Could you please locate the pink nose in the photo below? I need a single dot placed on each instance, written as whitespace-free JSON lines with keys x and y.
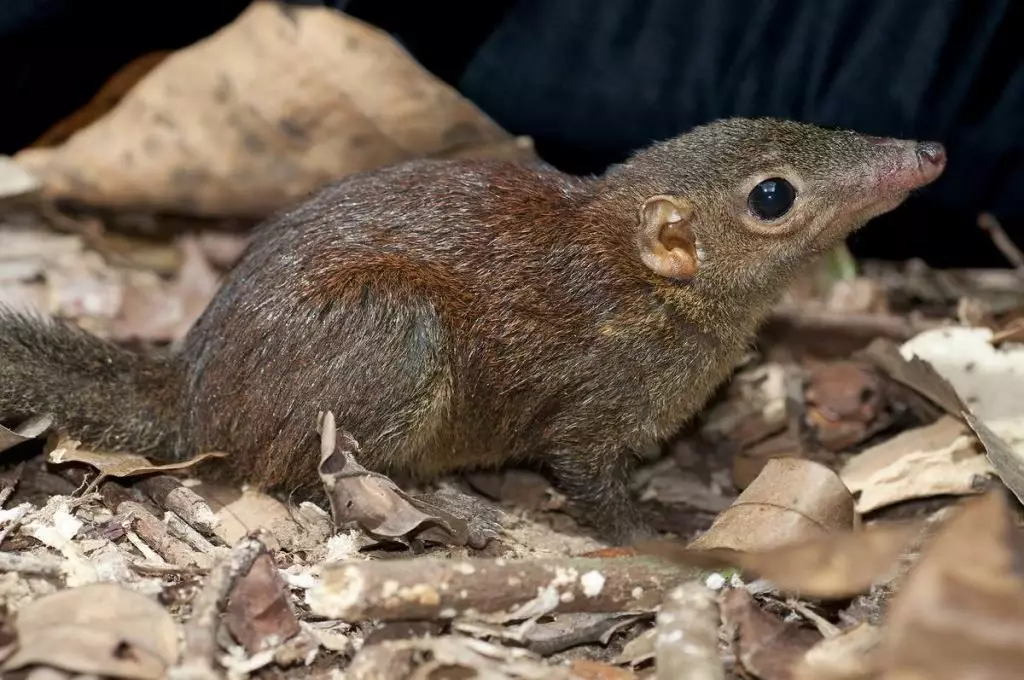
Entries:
{"x":931,"y":159}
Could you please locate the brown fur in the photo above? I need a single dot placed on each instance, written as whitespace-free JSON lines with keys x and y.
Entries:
{"x":458,"y":314}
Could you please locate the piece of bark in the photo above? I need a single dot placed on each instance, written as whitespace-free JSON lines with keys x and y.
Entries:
{"x":686,"y":647}
{"x":200,"y":638}
{"x":498,"y":589}
{"x":259,"y":613}
{"x":30,"y":564}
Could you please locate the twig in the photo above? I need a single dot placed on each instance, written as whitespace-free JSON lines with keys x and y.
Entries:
{"x":990,"y":225}
{"x":183,"y":530}
{"x":170,"y":494}
{"x":498,"y":589}
{"x":13,"y":523}
{"x":200,"y":647}
{"x":687,"y":641}
{"x":29,"y":564}
{"x":870,"y":326}
{"x":134,"y":515}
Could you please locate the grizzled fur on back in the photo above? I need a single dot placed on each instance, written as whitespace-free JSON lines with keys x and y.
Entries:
{"x":445,"y":330}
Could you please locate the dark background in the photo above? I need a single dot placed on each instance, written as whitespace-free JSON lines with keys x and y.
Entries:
{"x":591,"y":80}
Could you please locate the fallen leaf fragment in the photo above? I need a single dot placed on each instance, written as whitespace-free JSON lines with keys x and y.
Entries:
{"x":791,"y":499}
{"x":834,"y":565}
{"x":118,"y":464}
{"x":259,"y":612}
{"x":766,"y":647}
{"x":240,"y":512}
{"x":937,"y":459}
{"x":156,"y":310}
{"x":373,"y":501}
{"x":262,"y":112}
{"x":26,"y":431}
{"x":16,"y":180}
{"x":100,"y":629}
{"x":960,"y":613}
{"x":985,"y":376}
{"x":851,"y":655}
{"x":450,"y":656}
{"x":585,"y":669}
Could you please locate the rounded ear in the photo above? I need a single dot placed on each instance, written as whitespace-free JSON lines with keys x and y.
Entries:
{"x":667,"y":243}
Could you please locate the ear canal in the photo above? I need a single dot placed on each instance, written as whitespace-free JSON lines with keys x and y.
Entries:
{"x":668,"y":245}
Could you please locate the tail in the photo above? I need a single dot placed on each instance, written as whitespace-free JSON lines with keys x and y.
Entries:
{"x":104,"y":396}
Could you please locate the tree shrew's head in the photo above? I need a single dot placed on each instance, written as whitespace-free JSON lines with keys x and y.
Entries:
{"x":742,"y":203}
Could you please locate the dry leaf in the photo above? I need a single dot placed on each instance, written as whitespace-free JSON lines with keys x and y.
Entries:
{"x":937,"y":459}
{"x":585,"y":669}
{"x":766,"y":647}
{"x":792,"y":499}
{"x":242,"y":511}
{"x":15,"y":179}
{"x":157,"y":310}
{"x":984,"y":375}
{"x":915,"y":373}
{"x":960,"y":613}
{"x":26,"y":431}
{"x":259,"y":612}
{"x":118,"y":464}
{"x":262,"y":112}
{"x":100,"y":629}
{"x":373,"y":501}
{"x":838,"y":565}
{"x":851,"y":655}
{"x":449,"y":656}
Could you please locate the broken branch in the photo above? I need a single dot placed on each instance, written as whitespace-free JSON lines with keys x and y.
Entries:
{"x":501,"y":589}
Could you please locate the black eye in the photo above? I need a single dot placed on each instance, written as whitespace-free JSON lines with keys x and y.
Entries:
{"x":771,"y":198}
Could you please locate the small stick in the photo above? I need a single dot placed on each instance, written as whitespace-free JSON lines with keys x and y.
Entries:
{"x":169,"y":493}
{"x":495,"y":589}
{"x":183,"y":530}
{"x":134,"y":515}
{"x":29,"y":564}
{"x":13,"y":523}
{"x":1002,"y":241}
{"x":686,"y":646}
{"x":200,"y":647}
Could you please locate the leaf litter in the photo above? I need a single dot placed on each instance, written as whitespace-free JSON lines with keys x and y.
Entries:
{"x":845,"y":508}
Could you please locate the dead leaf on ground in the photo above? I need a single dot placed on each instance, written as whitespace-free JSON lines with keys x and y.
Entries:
{"x":851,"y":655}
{"x":26,"y":431}
{"x":262,"y":112}
{"x":915,"y":373}
{"x":937,"y":459}
{"x":766,"y":647}
{"x":259,"y":612}
{"x":792,"y":499}
{"x":964,"y":362}
{"x":158,"y":310}
{"x":101,"y":629}
{"x":964,"y":597}
{"x":838,"y":565}
{"x":585,"y":669}
{"x":449,"y":657}
{"x":15,"y":179}
{"x":118,"y":464}
{"x":242,"y":511}
{"x":373,"y":501}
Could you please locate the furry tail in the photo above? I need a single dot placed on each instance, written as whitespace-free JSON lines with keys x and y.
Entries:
{"x":96,"y":392}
